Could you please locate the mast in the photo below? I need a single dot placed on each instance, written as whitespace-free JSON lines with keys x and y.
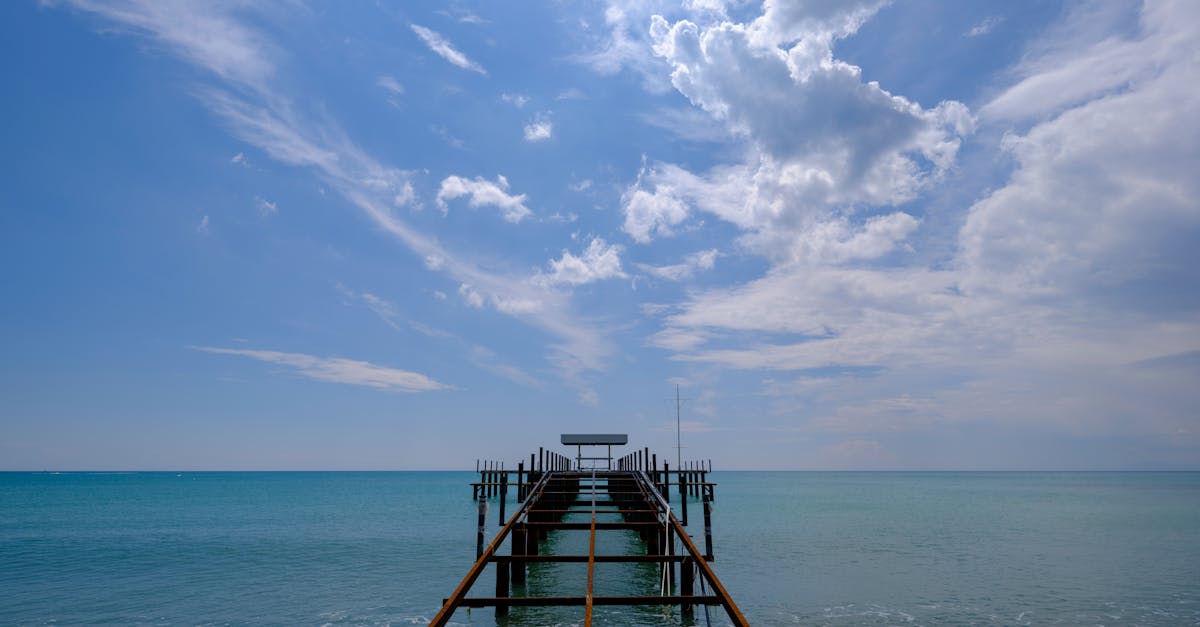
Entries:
{"x":678,"y":432}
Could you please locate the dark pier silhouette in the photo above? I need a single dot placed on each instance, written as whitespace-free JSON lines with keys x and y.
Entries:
{"x":631,"y":494}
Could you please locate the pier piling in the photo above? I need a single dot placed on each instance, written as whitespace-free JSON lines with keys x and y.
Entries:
{"x":630,"y":494}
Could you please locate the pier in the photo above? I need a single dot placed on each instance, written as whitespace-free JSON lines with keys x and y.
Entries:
{"x":597,"y":495}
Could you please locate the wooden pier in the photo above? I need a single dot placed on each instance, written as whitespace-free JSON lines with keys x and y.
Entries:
{"x":631,"y":494}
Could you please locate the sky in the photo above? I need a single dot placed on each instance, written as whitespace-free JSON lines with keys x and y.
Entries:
{"x":853,"y":234}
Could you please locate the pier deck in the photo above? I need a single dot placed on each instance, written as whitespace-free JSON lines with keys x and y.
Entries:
{"x":630,"y":495}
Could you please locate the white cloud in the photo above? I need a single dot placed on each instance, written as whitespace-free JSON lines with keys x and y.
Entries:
{"x":238,"y":159}
{"x":599,"y":261}
{"x":488,"y":360}
{"x":571,"y":93}
{"x":821,"y":136}
{"x":202,"y":228}
{"x":1102,"y":205}
{"x":984,"y":27}
{"x":263,"y":115}
{"x":446,"y":50}
{"x":390,"y":85}
{"x":581,"y":186}
{"x":339,"y":370}
{"x":517,"y":100}
{"x":650,"y":214}
{"x":446,"y":136}
{"x":1065,"y":279}
{"x":463,"y":16}
{"x":624,"y":43}
{"x":483,"y":193}
{"x":265,"y":207}
{"x":470,"y":295}
{"x":203,"y":34}
{"x":703,"y":260}
{"x":687,"y":123}
{"x":822,"y":144}
{"x":540,"y":129}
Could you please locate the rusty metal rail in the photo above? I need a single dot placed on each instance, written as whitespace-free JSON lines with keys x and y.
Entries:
{"x":632,"y":491}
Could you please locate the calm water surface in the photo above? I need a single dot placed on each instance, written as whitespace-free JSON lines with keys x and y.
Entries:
{"x":793,"y":548}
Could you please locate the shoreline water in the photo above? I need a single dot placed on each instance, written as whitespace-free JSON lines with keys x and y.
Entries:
{"x":374,"y":547}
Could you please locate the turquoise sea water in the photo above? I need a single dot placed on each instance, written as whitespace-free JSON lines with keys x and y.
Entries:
{"x":809,"y":548}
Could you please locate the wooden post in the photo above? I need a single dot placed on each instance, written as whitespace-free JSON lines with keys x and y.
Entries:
{"x":483,"y":506}
{"x":518,"y":548}
{"x":501,"y":587}
{"x":541,"y":459}
{"x":503,"y":496}
{"x":521,"y":482}
{"x":708,"y":551}
{"x":683,"y":499}
{"x":670,"y":538}
{"x":687,"y":585}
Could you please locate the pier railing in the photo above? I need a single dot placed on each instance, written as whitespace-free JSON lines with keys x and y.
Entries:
{"x":636,"y":490}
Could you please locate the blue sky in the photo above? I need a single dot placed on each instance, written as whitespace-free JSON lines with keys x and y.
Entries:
{"x":857,"y":235}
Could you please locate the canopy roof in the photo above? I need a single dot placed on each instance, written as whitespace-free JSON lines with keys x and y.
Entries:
{"x":594,"y":438}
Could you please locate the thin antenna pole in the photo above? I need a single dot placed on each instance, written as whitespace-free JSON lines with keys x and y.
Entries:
{"x":678,"y":433}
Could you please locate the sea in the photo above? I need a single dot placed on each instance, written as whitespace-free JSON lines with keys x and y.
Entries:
{"x":813,"y":548}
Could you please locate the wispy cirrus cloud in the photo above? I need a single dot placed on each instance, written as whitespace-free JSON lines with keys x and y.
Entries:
{"x":693,"y":263}
{"x":256,"y":110}
{"x":390,"y":85}
{"x":481,"y":356}
{"x":446,"y":50}
{"x":338,"y":370}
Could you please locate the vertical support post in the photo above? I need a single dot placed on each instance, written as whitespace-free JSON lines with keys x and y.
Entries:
{"x":687,"y":585}
{"x":541,"y":459}
{"x":708,"y":551}
{"x":670,"y":537}
{"x":532,"y":536}
{"x":503,"y":496}
{"x":483,"y":506}
{"x":501,"y":587}
{"x":683,"y":499}
{"x":518,"y":548}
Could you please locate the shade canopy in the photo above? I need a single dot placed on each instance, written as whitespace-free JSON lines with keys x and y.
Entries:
{"x":595,"y":439}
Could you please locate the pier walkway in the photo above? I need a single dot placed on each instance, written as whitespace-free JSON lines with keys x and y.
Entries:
{"x":631,"y":495}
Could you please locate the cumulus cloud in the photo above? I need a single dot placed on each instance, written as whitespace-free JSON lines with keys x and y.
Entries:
{"x":484,"y":193}
{"x":339,"y":370}
{"x":650,"y":214}
{"x":625,"y":45}
{"x":821,"y":140}
{"x":540,"y":129}
{"x":446,"y":50}
{"x":1066,"y":277}
{"x":598,"y":262}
